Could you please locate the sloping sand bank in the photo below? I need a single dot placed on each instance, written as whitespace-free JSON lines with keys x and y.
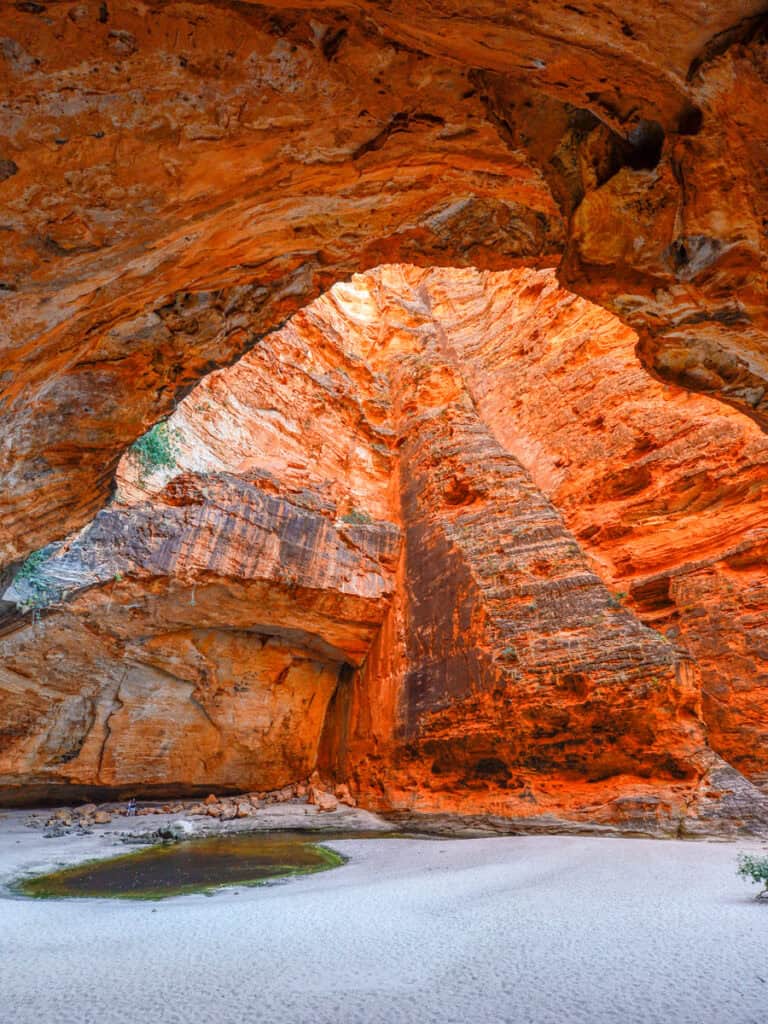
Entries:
{"x":551,"y":930}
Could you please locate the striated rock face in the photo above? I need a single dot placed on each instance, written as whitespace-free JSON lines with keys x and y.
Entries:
{"x":413,"y":539}
{"x":665,"y":491}
{"x":212,"y":614}
{"x":180,"y":178}
{"x":520,"y":673}
{"x":176,"y":179}
{"x":520,"y":686}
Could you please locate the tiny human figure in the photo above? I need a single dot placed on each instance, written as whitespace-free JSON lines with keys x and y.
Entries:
{"x":131,"y":809}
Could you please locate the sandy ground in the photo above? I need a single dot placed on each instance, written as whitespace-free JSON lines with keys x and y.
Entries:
{"x":551,"y":930}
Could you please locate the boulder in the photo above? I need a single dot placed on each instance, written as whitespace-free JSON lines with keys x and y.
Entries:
{"x":344,"y":796}
{"x":323,"y":800}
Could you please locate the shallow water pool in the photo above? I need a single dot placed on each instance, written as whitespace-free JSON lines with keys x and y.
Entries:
{"x":196,"y":865}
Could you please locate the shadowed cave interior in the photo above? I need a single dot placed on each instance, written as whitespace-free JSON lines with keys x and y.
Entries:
{"x":440,"y":538}
{"x":452,"y":330}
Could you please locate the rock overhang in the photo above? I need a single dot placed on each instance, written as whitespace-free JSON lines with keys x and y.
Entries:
{"x":607,"y":145}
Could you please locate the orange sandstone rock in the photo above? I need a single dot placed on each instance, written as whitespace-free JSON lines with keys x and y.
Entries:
{"x":253,"y":613}
{"x":217,"y":604}
{"x":177,"y":180}
{"x":665,"y":490}
{"x":518,"y":672}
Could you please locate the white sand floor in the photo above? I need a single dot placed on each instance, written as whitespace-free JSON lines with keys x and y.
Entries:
{"x":547,"y":930}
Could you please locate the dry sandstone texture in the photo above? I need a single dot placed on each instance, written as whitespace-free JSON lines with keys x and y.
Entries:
{"x":478,"y":542}
{"x":369,"y":557}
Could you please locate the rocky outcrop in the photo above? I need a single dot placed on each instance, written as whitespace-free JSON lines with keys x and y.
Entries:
{"x":520,"y":672}
{"x":162,"y":715}
{"x":205,"y":617}
{"x":520,"y":686}
{"x":664,"y":490}
{"x":176,"y":179}
{"x":179,"y":179}
{"x":374,"y":551}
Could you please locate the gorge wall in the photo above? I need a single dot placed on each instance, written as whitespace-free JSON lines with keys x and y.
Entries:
{"x":177,"y":178}
{"x":462,"y":538}
{"x":375,"y":552}
{"x":213,"y":612}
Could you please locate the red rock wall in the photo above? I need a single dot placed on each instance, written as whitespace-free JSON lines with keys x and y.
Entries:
{"x":212,"y":608}
{"x":180,"y":178}
{"x":666,"y":491}
{"x":520,"y":687}
{"x":492,"y":419}
{"x":176,"y":179}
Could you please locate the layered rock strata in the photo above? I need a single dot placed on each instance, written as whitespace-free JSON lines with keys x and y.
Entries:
{"x":210,"y":612}
{"x":509,"y":680}
{"x":664,"y":490}
{"x":356,"y":563}
{"x":520,"y":674}
{"x":178,"y":178}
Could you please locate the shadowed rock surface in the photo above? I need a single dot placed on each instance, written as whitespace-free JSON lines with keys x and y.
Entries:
{"x":354,"y":562}
{"x":176,"y":179}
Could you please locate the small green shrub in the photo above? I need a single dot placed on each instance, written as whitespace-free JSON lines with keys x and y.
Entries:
{"x":41,"y":592}
{"x":155,"y":450}
{"x":755,"y":869}
{"x":30,"y":568}
{"x":357,"y":517}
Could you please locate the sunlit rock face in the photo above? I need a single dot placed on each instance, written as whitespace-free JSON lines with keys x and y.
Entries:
{"x":664,"y":490}
{"x":177,"y":179}
{"x":552,"y":386}
{"x":413,"y":539}
{"x":214,"y":606}
{"x":519,"y":669}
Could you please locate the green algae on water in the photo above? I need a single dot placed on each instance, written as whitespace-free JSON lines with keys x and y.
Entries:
{"x":195,"y":865}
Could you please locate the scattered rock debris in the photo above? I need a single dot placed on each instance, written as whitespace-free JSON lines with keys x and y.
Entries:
{"x":80,"y":820}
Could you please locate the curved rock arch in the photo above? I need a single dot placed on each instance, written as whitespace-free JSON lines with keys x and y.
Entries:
{"x":179,"y":178}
